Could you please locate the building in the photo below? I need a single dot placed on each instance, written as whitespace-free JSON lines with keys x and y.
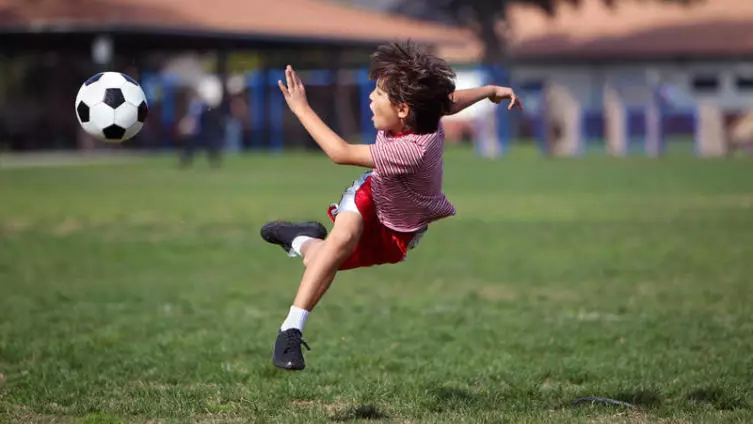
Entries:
{"x":684,"y":54}
{"x":50,"y":47}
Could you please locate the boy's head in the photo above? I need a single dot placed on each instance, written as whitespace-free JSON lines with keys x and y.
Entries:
{"x":413,"y":88}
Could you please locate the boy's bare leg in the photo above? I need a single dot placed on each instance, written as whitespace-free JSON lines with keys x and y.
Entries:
{"x":325,"y":257}
{"x":322,"y":259}
{"x":310,"y":249}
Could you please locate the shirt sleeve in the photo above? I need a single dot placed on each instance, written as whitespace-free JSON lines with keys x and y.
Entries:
{"x":396,"y":157}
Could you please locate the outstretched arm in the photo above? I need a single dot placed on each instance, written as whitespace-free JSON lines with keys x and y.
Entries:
{"x":462,"y":99}
{"x":339,"y":150}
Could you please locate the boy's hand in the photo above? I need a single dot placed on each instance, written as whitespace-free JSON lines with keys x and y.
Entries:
{"x":295,"y":92}
{"x":501,"y":93}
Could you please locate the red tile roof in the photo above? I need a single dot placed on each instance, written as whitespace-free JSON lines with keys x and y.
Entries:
{"x":635,"y":29}
{"x":288,"y":18}
{"x":632,"y":30}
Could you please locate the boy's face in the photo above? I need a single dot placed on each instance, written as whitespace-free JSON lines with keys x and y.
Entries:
{"x":387,"y":116}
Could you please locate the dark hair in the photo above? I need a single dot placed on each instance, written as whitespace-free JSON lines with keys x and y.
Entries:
{"x":422,"y":81}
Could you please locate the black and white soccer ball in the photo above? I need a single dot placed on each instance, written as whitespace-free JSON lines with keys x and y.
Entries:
{"x":111,"y":106}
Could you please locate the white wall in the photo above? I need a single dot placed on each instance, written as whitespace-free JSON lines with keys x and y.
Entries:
{"x":586,"y":82}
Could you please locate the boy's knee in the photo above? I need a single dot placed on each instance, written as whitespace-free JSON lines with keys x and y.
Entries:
{"x":307,"y":260}
{"x":345,"y":234}
{"x":343,"y":242}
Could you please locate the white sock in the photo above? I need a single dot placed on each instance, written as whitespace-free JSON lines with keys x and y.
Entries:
{"x":296,"y":319}
{"x":298,"y":243}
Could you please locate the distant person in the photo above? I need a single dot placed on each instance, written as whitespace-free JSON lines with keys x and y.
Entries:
{"x":387,"y":210}
{"x":204,"y":124}
{"x":741,"y":134}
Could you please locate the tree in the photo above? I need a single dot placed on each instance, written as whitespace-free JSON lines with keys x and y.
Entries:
{"x":482,"y":17}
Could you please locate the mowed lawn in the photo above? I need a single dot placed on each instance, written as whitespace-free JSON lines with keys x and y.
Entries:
{"x":142,"y":293}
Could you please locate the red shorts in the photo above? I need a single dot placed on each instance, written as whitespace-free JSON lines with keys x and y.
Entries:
{"x":378,"y":244}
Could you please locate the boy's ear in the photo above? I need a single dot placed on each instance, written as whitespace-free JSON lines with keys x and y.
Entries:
{"x":403,"y":110}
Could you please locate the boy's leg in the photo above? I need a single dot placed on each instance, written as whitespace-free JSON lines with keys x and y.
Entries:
{"x":324,"y":258}
{"x":329,"y":254}
{"x":189,"y":149}
{"x":309,"y":250}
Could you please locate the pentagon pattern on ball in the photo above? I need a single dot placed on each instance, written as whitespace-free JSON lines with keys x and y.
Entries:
{"x":132,"y":93}
{"x":114,"y":97}
{"x":129,"y":79}
{"x":93,"y":79}
{"x":83,"y":112}
{"x":114,"y":132}
{"x":111,"y":106}
{"x":143,"y":112}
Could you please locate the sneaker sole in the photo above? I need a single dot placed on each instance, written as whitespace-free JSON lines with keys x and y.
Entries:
{"x":267,"y":231}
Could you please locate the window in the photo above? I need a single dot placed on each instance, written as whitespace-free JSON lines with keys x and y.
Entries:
{"x":744,"y":82}
{"x":705,"y":83}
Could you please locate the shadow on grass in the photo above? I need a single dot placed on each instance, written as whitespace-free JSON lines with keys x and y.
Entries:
{"x":451,"y":398}
{"x":439,"y":399}
{"x":643,"y":398}
{"x":721,"y":399}
{"x":646,"y":398}
{"x":360,"y":412}
{"x":446,"y":398}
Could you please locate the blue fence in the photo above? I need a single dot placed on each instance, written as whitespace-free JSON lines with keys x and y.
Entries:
{"x":267,"y":111}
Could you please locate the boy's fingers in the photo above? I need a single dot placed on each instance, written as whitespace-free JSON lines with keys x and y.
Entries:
{"x":282,"y":87}
{"x":296,"y":79}
{"x":515,"y":102}
{"x":289,"y":78}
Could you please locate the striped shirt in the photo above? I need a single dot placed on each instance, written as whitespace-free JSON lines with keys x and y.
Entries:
{"x":406,"y":183}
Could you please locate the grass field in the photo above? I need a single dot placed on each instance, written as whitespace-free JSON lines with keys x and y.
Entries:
{"x":141,"y":293}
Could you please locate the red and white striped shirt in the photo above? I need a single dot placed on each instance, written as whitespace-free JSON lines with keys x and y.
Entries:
{"x":406,"y":183}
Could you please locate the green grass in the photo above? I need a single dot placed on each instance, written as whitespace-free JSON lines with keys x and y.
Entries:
{"x":142,"y":293}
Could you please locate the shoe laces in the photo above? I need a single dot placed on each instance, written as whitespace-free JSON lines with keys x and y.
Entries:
{"x":295,"y":340}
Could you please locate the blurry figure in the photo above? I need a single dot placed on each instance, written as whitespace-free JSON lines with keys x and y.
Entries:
{"x":236,"y":124}
{"x":741,"y":133}
{"x":204,"y":123}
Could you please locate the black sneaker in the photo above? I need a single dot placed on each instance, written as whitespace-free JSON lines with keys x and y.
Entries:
{"x":287,"y":354}
{"x":282,"y":233}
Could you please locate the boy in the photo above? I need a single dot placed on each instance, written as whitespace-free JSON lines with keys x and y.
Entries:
{"x":387,"y":210}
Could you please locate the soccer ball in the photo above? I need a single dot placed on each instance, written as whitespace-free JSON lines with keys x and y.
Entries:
{"x":111,"y":107}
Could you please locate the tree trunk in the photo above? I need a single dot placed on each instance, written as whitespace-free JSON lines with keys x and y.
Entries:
{"x":494,"y":59}
{"x":495,"y":47}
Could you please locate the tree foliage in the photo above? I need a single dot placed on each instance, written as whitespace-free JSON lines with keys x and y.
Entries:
{"x":482,"y":16}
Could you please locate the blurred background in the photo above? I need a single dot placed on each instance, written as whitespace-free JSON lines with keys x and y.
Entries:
{"x":618,"y":76}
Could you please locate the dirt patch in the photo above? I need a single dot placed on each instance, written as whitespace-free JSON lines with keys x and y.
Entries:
{"x":328,"y":407}
{"x":555,"y":294}
{"x":497,"y":292}
{"x":14,"y":226}
{"x":67,"y":227}
{"x":217,"y":419}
